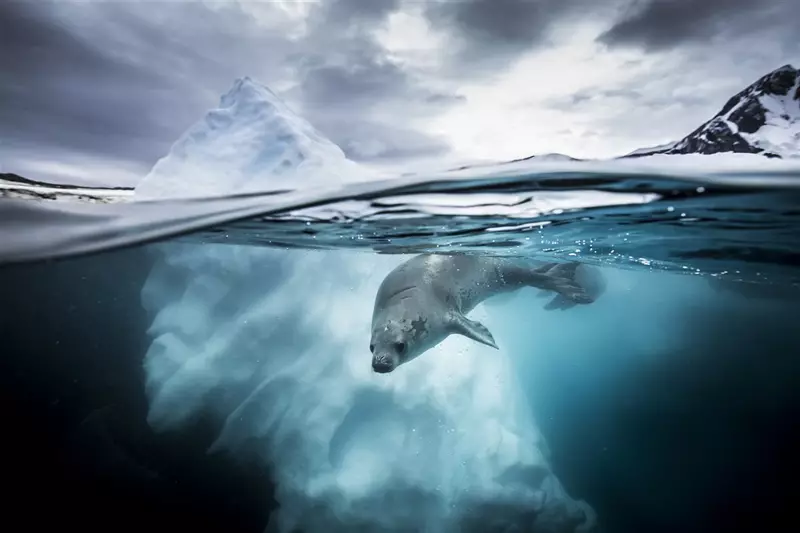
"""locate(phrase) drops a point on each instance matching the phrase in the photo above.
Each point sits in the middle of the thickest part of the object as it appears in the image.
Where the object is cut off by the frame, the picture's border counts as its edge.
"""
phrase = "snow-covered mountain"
(764, 119)
(252, 141)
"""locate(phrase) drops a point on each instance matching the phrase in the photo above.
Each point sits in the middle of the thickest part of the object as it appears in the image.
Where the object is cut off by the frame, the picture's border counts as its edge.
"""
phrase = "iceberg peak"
(246, 90)
(252, 141)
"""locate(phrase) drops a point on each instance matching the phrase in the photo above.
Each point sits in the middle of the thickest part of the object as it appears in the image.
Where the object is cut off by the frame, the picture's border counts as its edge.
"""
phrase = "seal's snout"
(381, 365)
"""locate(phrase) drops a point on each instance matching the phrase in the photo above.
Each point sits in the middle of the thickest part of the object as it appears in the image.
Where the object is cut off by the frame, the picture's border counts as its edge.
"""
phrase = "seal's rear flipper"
(471, 328)
(565, 284)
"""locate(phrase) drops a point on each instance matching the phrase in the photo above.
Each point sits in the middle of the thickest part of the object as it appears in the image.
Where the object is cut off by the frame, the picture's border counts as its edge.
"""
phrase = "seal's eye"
(372, 348)
(400, 347)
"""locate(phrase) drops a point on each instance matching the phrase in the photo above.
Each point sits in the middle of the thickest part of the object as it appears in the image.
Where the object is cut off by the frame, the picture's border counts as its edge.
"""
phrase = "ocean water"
(203, 364)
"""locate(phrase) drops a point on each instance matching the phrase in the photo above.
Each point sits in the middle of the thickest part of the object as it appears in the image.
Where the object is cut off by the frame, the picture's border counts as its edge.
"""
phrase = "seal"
(424, 300)
(590, 278)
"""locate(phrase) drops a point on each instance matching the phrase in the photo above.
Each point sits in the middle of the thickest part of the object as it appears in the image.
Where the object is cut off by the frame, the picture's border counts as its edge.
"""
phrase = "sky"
(95, 91)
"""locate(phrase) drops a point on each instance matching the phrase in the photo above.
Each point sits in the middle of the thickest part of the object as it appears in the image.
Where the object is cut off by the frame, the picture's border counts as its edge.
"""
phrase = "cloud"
(110, 85)
(364, 77)
(371, 141)
(353, 12)
(658, 25)
(498, 25)
(107, 82)
(44, 98)
(351, 87)
(489, 35)
(591, 96)
(119, 82)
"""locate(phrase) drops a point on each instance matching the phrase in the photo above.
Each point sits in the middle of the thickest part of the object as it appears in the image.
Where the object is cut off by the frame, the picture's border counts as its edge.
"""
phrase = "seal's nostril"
(381, 365)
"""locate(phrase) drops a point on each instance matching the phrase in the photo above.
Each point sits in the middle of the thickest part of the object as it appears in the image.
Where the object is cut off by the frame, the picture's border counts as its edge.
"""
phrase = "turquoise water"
(718, 223)
(224, 368)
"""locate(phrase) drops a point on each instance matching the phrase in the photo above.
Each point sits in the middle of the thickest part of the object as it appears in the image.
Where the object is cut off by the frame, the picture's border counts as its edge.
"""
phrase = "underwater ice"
(274, 344)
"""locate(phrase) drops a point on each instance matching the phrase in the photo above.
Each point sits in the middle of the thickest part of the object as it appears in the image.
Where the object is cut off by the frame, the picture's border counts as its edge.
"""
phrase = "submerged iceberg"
(274, 344)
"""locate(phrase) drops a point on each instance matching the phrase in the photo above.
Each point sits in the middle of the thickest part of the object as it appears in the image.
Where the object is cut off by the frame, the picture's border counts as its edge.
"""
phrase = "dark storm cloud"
(348, 12)
(490, 33)
(661, 24)
(365, 140)
(107, 83)
(43, 90)
(498, 23)
(119, 81)
(363, 76)
(362, 101)
(355, 93)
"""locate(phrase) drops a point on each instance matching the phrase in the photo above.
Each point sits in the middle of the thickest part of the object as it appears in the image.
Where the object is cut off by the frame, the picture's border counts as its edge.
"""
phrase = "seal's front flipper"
(559, 302)
(472, 329)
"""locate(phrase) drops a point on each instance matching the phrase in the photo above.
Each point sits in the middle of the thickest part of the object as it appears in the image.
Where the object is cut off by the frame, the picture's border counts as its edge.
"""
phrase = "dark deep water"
(78, 449)
(699, 450)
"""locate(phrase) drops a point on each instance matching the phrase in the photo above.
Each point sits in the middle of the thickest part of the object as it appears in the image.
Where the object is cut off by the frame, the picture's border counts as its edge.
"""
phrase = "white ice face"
(272, 343)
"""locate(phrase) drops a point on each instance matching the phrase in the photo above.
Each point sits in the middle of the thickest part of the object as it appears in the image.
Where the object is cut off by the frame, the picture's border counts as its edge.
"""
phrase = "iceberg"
(251, 142)
(273, 344)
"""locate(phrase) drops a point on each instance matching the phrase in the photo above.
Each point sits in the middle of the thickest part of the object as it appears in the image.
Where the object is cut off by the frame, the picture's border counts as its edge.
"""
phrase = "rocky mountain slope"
(764, 118)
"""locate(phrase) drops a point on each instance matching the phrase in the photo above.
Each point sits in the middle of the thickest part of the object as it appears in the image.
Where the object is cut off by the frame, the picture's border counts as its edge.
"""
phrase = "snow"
(690, 166)
(657, 148)
(251, 142)
(781, 133)
(725, 167)
(761, 118)
(12, 189)
(274, 344)
(698, 164)
(551, 157)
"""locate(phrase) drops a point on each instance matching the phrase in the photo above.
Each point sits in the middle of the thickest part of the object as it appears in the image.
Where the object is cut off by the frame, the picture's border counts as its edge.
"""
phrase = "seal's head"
(395, 342)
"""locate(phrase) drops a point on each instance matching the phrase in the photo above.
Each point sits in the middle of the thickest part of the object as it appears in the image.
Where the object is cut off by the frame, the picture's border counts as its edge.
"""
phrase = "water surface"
(667, 405)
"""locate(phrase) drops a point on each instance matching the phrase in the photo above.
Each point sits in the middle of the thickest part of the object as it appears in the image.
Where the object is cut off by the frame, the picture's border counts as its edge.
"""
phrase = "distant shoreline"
(16, 178)
(15, 186)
